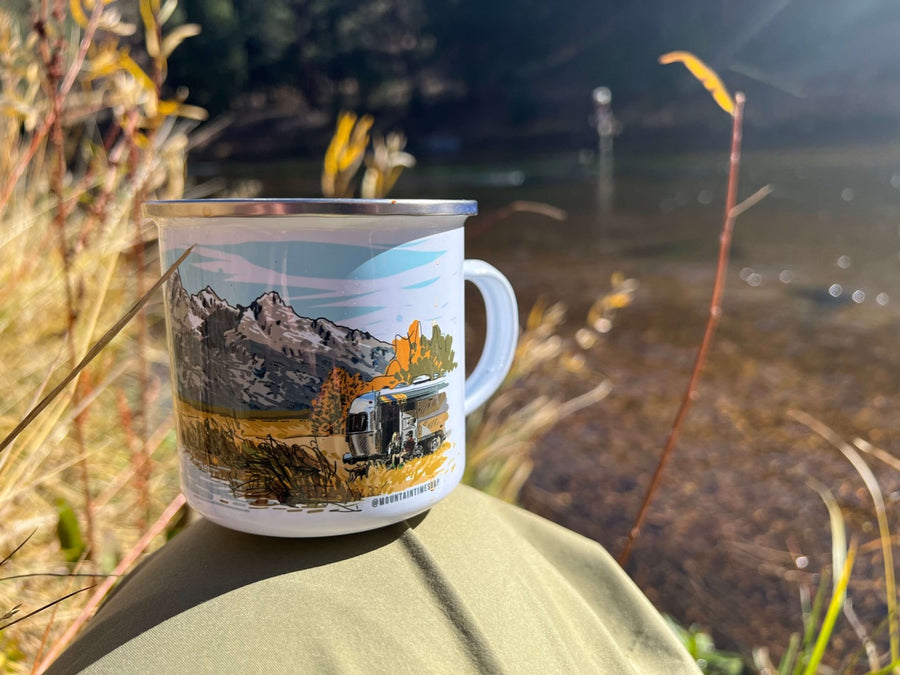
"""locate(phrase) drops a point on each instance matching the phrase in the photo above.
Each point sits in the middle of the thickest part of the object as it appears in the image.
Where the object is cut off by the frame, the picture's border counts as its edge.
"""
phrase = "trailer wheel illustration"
(435, 442)
(392, 426)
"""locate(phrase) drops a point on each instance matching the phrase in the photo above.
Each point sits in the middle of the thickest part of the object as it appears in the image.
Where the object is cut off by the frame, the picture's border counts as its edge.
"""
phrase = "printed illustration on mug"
(302, 412)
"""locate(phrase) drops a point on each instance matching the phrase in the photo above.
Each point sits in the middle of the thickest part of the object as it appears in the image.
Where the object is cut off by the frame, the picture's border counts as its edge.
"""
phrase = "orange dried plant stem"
(715, 312)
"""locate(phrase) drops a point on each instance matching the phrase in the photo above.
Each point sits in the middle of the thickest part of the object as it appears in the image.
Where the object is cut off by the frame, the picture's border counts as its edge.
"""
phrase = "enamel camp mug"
(317, 351)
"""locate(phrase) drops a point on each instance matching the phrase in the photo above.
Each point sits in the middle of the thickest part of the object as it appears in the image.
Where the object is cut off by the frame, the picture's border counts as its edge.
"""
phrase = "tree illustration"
(330, 407)
(439, 348)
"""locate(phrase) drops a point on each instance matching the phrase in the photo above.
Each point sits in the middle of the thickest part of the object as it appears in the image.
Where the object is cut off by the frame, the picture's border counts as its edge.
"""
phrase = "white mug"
(317, 351)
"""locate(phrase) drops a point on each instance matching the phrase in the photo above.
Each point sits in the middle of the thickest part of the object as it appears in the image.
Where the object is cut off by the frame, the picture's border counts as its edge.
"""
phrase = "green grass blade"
(880, 512)
(838, 529)
(887, 670)
(810, 622)
(787, 661)
(834, 609)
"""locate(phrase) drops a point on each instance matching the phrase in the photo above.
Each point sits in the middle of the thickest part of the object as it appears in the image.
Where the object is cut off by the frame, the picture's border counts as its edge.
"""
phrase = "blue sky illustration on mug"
(347, 284)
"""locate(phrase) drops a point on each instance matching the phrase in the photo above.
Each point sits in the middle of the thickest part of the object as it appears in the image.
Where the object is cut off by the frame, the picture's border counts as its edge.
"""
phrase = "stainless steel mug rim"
(220, 208)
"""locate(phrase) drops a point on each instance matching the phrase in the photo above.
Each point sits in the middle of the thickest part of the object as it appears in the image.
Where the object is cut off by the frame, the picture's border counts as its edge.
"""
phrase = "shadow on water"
(810, 322)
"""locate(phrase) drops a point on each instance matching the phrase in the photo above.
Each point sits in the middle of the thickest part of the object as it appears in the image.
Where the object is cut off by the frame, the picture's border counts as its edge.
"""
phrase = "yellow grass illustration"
(383, 479)
(285, 427)
(280, 460)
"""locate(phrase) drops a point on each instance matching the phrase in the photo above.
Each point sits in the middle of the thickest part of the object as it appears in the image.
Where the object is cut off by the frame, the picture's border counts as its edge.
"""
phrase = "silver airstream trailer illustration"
(394, 425)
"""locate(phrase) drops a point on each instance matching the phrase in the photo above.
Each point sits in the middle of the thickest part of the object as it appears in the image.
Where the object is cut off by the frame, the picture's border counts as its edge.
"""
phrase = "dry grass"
(503, 435)
(84, 138)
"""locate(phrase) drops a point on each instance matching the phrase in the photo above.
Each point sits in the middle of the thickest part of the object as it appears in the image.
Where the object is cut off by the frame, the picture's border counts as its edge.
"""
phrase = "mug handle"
(502, 332)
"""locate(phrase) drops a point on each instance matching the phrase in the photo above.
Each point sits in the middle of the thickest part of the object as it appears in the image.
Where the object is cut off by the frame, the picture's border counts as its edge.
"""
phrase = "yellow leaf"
(78, 13)
(165, 12)
(355, 147)
(192, 112)
(350, 156)
(345, 154)
(617, 300)
(128, 64)
(169, 107)
(103, 63)
(150, 27)
(705, 74)
(361, 131)
(372, 184)
(346, 120)
(536, 315)
(415, 329)
(177, 36)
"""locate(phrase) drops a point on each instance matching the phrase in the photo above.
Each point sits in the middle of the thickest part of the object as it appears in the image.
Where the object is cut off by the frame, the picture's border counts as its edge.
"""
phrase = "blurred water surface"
(810, 323)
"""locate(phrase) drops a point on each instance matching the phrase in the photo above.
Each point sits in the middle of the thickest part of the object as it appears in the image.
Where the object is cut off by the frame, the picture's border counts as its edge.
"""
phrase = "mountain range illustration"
(262, 357)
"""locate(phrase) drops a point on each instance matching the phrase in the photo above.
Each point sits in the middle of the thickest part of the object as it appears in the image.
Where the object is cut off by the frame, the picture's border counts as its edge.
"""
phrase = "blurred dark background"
(472, 76)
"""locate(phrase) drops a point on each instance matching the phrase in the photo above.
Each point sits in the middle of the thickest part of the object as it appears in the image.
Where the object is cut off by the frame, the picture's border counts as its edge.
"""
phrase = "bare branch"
(751, 201)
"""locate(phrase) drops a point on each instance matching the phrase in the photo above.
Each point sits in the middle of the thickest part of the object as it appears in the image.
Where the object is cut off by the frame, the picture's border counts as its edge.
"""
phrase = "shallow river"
(810, 324)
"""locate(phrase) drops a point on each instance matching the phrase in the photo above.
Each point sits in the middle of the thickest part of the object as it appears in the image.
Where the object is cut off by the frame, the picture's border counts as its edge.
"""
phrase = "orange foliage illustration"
(705, 74)
(415, 355)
